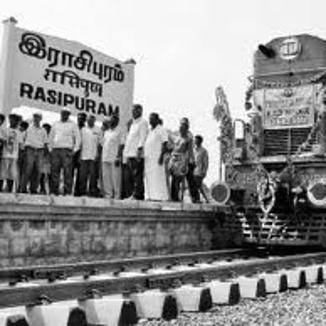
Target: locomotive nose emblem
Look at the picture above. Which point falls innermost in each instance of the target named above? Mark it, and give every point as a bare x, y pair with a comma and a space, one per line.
290, 48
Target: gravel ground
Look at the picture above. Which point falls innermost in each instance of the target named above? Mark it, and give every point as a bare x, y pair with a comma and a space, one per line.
301, 307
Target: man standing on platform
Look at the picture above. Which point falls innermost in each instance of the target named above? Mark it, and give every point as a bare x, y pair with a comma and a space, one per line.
155, 148
45, 179
81, 122
9, 163
201, 161
133, 151
111, 159
191, 165
64, 142
35, 142
90, 137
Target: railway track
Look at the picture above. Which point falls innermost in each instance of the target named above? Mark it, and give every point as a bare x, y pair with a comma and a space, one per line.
152, 287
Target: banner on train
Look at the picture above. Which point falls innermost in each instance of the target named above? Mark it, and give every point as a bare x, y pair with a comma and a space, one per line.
287, 107
47, 72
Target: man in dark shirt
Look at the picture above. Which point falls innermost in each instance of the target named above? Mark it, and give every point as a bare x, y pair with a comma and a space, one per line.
201, 162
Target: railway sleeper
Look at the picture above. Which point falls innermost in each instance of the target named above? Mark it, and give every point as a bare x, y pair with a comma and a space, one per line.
95, 309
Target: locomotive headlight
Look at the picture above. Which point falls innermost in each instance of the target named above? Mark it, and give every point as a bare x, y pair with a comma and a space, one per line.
267, 52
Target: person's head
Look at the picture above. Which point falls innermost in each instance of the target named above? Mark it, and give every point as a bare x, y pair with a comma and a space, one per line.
47, 127
154, 119
106, 125
185, 120
114, 121
81, 119
91, 121
37, 118
19, 118
137, 111
2, 118
13, 120
184, 127
65, 114
23, 126
198, 140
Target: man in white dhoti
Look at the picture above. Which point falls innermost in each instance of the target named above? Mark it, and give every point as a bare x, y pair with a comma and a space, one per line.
154, 149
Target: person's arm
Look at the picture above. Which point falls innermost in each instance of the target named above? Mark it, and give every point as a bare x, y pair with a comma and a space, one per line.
22, 139
51, 137
77, 138
164, 148
205, 163
46, 142
191, 152
142, 138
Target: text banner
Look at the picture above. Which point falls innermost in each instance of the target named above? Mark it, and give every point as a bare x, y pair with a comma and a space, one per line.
289, 107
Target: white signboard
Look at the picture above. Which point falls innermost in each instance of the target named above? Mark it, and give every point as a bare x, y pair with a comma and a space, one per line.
48, 72
288, 107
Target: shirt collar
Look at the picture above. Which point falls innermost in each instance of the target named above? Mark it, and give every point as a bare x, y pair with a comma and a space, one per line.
137, 120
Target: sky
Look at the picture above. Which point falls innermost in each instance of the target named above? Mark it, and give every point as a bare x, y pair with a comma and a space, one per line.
184, 49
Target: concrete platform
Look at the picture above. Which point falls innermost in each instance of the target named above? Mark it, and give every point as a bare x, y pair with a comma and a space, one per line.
45, 230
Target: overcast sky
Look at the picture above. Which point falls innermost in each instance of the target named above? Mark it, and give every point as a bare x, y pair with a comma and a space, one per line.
183, 48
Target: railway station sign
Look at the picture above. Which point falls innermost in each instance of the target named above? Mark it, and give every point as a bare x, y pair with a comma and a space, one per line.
47, 72
288, 107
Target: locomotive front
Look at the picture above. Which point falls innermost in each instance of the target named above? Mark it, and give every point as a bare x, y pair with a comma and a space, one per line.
275, 170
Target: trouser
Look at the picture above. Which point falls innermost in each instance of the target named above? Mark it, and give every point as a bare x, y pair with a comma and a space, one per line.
21, 168
75, 173
9, 172
137, 170
175, 187
199, 186
111, 175
32, 169
61, 158
126, 181
96, 188
45, 182
193, 191
86, 173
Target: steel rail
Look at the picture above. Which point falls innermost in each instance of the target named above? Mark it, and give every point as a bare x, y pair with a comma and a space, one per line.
45, 271
59, 291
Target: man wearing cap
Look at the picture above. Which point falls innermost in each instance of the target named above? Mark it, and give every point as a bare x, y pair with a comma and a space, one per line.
35, 143
133, 150
64, 142
90, 138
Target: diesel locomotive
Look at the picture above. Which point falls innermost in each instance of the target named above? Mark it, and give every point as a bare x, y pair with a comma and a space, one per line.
274, 162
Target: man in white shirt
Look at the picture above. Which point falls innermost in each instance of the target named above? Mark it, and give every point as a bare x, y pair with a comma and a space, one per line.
64, 142
111, 159
9, 163
35, 143
154, 150
133, 150
90, 137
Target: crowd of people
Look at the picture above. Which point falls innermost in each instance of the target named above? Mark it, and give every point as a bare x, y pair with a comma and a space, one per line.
146, 162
